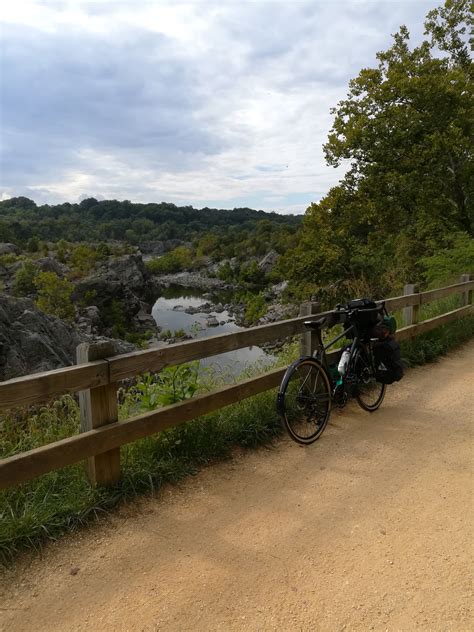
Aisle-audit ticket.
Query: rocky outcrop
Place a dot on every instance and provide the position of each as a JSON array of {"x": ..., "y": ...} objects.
[
  {"x": 268, "y": 262},
  {"x": 49, "y": 264},
  {"x": 9, "y": 249},
  {"x": 157, "y": 248},
  {"x": 192, "y": 280},
  {"x": 32, "y": 341},
  {"x": 123, "y": 281}
]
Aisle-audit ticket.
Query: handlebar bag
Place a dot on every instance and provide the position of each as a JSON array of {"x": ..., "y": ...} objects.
[
  {"x": 388, "y": 361},
  {"x": 365, "y": 316}
]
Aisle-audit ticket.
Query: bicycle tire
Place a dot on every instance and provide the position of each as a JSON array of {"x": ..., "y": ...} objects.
[
  {"x": 370, "y": 393},
  {"x": 304, "y": 400}
]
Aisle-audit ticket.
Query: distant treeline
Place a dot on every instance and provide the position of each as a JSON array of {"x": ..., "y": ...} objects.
[{"x": 230, "y": 232}]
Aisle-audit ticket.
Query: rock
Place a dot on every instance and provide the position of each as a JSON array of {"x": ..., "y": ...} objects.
[
  {"x": 32, "y": 341},
  {"x": 212, "y": 321},
  {"x": 279, "y": 288},
  {"x": 268, "y": 262},
  {"x": 158, "y": 248},
  {"x": 48, "y": 264},
  {"x": 124, "y": 281},
  {"x": 192, "y": 310},
  {"x": 276, "y": 312},
  {"x": 179, "y": 308},
  {"x": 7, "y": 248},
  {"x": 89, "y": 320},
  {"x": 144, "y": 321},
  {"x": 213, "y": 269},
  {"x": 93, "y": 314},
  {"x": 192, "y": 280}
]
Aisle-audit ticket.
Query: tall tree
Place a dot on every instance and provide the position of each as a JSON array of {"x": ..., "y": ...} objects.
[{"x": 406, "y": 130}]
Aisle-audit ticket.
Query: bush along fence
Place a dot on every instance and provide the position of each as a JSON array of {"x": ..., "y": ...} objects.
[{"x": 98, "y": 372}]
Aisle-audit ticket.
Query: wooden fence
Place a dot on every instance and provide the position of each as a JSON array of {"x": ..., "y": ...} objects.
[{"x": 98, "y": 372}]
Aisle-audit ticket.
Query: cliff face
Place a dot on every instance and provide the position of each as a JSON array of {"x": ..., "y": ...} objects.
[
  {"x": 31, "y": 341},
  {"x": 126, "y": 280}
]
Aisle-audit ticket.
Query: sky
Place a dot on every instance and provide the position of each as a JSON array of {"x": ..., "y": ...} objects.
[{"x": 222, "y": 104}]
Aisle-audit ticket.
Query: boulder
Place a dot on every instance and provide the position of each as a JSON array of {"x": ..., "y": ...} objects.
[
  {"x": 192, "y": 310},
  {"x": 279, "y": 288},
  {"x": 212, "y": 321},
  {"x": 7, "y": 248},
  {"x": 268, "y": 262},
  {"x": 158, "y": 248},
  {"x": 32, "y": 341},
  {"x": 144, "y": 321},
  {"x": 48, "y": 264},
  {"x": 124, "y": 280},
  {"x": 89, "y": 320}
]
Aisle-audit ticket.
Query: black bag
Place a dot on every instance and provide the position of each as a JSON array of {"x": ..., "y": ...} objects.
[
  {"x": 388, "y": 361},
  {"x": 366, "y": 315}
]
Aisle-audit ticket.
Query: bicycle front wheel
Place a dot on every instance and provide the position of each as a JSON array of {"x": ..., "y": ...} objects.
[
  {"x": 370, "y": 393},
  {"x": 304, "y": 400}
]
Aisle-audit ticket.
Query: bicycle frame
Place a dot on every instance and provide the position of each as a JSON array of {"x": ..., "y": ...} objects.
[
  {"x": 320, "y": 351},
  {"x": 343, "y": 383}
]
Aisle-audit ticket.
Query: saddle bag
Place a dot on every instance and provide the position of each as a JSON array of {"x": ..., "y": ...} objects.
[{"x": 388, "y": 361}]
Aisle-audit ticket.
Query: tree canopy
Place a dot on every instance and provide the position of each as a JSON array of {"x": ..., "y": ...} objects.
[
  {"x": 405, "y": 131},
  {"x": 216, "y": 232}
]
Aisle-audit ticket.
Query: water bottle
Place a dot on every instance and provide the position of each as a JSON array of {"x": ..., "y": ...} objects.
[{"x": 342, "y": 366}]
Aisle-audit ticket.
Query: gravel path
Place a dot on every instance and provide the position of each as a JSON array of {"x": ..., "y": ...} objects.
[{"x": 368, "y": 529}]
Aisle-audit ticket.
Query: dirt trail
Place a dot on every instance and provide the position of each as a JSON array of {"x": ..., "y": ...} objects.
[{"x": 368, "y": 529}]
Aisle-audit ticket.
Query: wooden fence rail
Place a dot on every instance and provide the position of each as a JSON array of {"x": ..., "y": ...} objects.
[{"x": 102, "y": 435}]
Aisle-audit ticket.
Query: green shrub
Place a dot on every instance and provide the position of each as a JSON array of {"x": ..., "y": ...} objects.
[
  {"x": 427, "y": 347},
  {"x": 114, "y": 315},
  {"x": 83, "y": 258},
  {"x": 103, "y": 251},
  {"x": 447, "y": 265},
  {"x": 255, "y": 307},
  {"x": 25, "y": 276},
  {"x": 32, "y": 245},
  {"x": 181, "y": 258},
  {"x": 54, "y": 295},
  {"x": 8, "y": 259}
]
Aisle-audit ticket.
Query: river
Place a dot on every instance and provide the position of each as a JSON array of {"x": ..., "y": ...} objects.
[{"x": 169, "y": 314}]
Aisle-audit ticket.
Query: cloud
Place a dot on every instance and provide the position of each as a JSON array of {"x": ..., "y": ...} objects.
[{"x": 222, "y": 104}]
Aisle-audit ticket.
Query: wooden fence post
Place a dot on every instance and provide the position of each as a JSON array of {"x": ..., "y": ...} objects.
[
  {"x": 98, "y": 407},
  {"x": 410, "y": 313},
  {"x": 466, "y": 297},
  {"x": 309, "y": 339}
]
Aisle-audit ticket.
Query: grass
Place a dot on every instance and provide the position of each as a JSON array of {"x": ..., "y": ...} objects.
[
  {"x": 428, "y": 347},
  {"x": 62, "y": 501}
]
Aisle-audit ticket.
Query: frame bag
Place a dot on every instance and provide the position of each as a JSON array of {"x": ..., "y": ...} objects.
[{"x": 388, "y": 361}]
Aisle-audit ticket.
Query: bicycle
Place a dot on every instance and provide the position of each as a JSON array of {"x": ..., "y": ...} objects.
[{"x": 310, "y": 385}]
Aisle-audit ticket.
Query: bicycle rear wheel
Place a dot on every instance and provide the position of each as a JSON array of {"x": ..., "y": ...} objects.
[
  {"x": 304, "y": 400},
  {"x": 370, "y": 393}
]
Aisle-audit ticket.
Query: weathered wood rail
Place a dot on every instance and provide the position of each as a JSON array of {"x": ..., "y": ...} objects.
[{"x": 97, "y": 377}]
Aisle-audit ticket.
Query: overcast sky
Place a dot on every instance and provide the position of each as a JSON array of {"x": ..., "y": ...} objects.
[{"x": 219, "y": 104}]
